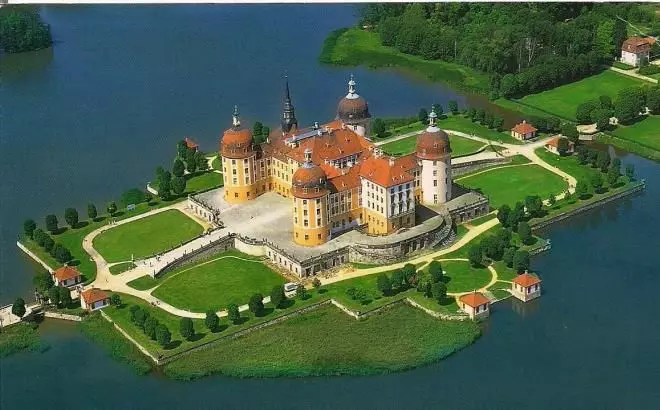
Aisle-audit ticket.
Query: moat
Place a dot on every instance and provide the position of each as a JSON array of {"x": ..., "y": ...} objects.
[{"x": 555, "y": 341}]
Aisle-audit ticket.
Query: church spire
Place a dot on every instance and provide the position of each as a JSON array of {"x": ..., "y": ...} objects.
[
  {"x": 235, "y": 121},
  {"x": 288, "y": 113}
]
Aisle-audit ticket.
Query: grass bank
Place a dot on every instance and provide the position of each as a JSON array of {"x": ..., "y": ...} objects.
[
  {"x": 328, "y": 342},
  {"x": 645, "y": 133},
  {"x": 459, "y": 146},
  {"x": 353, "y": 47},
  {"x": 18, "y": 338},
  {"x": 118, "y": 347}
]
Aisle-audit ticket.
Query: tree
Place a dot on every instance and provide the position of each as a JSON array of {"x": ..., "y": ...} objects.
[
  {"x": 616, "y": 164},
  {"x": 503, "y": 214},
  {"x": 439, "y": 291},
  {"x": 423, "y": 115},
  {"x": 277, "y": 296},
  {"x": 65, "y": 296},
  {"x": 562, "y": 146},
  {"x": 257, "y": 128},
  {"x": 49, "y": 243},
  {"x": 435, "y": 271},
  {"x": 212, "y": 320},
  {"x": 452, "y": 106},
  {"x": 409, "y": 270},
  {"x": 62, "y": 254},
  {"x": 163, "y": 335},
  {"x": 581, "y": 189},
  {"x": 481, "y": 115},
  {"x": 582, "y": 155},
  {"x": 39, "y": 236},
  {"x": 612, "y": 176},
  {"x": 28, "y": 227},
  {"x": 521, "y": 261},
  {"x": 112, "y": 208},
  {"x": 133, "y": 311},
  {"x": 509, "y": 86},
  {"x": 178, "y": 185},
  {"x": 178, "y": 169},
  {"x": 472, "y": 114},
  {"x": 602, "y": 119},
  {"x": 525, "y": 233},
  {"x": 186, "y": 329},
  {"x": 474, "y": 255},
  {"x": 150, "y": 325},
  {"x": 603, "y": 160},
  {"x": 597, "y": 181},
  {"x": 630, "y": 171},
  {"x": 71, "y": 217},
  {"x": 256, "y": 304},
  {"x": 301, "y": 292},
  {"x": 383, "y": 284},
  {"x": 115, "y": 299},
  {"x": 592, "y": 157},
  {"x": 378, "y": 128},
  {"x": 202, "y": 163},
  {"x": 233, "y": 314},
  {"x": 488, "y": 120},
  {"x": 552, "y": 199},
  {"x": 533, "y": 204},
  {"x": 266, "y": 132},
  {"x": 629, "y": 103},
  {"x": 191, "y": 161},
  {"x": 653, "y": 100},
  {"x": 43, "y": 281},
  {"x": 398, "y": 280},
  {"x": 570, "y": 131},
  {"x": 54, "y": 295},
  {"x": 140, "y": 317},
  {"x": 91, "y": 211},
  {"x": 181, "y": 151},
  {"x": 438, "y": 110},
  {"x": 51, "y": 223},
  {"x": 584, "y": 110},
  {"x": 507, "y": 256},
  {"x": 316, "y": 283},
  {"x": 18, "y": 308},
  {"x": 498, "y": 123}
]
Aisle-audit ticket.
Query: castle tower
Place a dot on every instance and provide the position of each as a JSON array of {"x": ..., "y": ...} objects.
[
  {"x": 353, "y": 110},
  {"x": 289, "y": 120},
  {"x": 238, "y": 162},
  {"x": 310, "y": 204},
  {"x": 434, "y": 151}
]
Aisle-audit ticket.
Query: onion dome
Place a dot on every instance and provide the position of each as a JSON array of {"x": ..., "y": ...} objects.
[
  {"x": 352, "y": 107},
  {"x": 237, "y": 142},
  {"x": 433, "y": 143},
  {"x": 309, "y": 181}
]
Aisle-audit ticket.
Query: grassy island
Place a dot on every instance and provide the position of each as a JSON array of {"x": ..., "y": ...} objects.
[
  {"x": 328, "y": 342},
  {"x": 17, "y": 338}
]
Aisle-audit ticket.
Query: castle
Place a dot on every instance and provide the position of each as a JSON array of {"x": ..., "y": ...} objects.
[{"x": 336, "y": 177}]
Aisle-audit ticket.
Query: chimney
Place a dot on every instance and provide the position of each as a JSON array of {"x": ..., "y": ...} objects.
[{"x": 391, "y": 161}]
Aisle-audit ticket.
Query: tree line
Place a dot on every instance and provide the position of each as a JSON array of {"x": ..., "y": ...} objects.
[
  {"x": 628, "y": 107},
  {"x": 190, "y": 160},
  {"x": 527, "y": 48},
  {"x": 21, "y": 29}
]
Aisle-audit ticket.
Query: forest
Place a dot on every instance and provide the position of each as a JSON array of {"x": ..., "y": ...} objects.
[
  {"x": 21, "y": 29},
  {"x": 526, "y": 47}
]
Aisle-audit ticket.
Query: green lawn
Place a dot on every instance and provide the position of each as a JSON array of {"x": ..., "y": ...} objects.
[
  {"x": 645, "y": 132},
  {"x": 567, "y": 164},
  {"x": 563, "y": 101},
  {"x": 17, "y": 338},
  {"x": 459, "y": 146},
  {"x": 217, "y": 283},
  {"x": 482, "y": 219},
  {"x": 203, "y": 182},
  {"x": 121, "y": 267},
  {"x": 147, "y": 236},
  {"x": 508, "y": 185},
  {"x": 217, "y": 163},
  {"x": 352, "y": 47},
  {"x": 329, "y": 342},
  {"x": 463, "y": 124},
  {"x": 143, "y": 283},
  {"x": 461, "y": 277}
]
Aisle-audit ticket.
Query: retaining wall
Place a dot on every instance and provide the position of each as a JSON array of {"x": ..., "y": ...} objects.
[
  {"x": 33, "y": 256},
  {"x": 472, "y": 166},
  {"x": 63, "y": 316}
]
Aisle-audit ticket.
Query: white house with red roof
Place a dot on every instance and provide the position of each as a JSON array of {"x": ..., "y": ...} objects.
[
  {"x": 552, "y": 145},
  {"x": 526, "y": 287},
  {"x": 94, "y": 299},
  {"x": 67, "y": 276},
  {"x": 523, "y": 131},
  {"x": 475, "y": 304},
  {"x": 636, "y": 50}
]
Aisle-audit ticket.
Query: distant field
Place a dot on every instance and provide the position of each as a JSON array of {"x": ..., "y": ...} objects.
[
  {"x": 354, "y": 47},
  {"x": 147, "y": 236},
  {"x": 509, "y": 185},
  {"x": 645, "y": 132},
  {"x": 459, "y": 146},
  {"x": 563, "y": 101}
]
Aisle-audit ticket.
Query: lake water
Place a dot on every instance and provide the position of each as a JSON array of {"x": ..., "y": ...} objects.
[{"x": 101, "y": 110}]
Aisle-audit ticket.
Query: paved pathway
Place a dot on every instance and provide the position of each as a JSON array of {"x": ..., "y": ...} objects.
[{"x": 635, "y": 74}]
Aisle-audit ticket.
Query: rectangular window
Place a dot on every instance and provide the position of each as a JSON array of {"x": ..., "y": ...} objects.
[
  {"x": 233, "y": 171},
  {"x": 233, "y": 162},
  {"x": 304, "y": 212},
  {"x": 318, "y": 222},
  {"x": 319, "y": 236},
  {"x": 435, "y": 172},
  {"x": 306, "y": 237},
  {"x": 435, "y": 182},
  {"x": 306, "y": 222},
  {"x": 304, "y": 202}
]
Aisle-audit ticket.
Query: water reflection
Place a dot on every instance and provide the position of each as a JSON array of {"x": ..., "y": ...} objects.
[
  {"x": 17, "y": 66},
  {"x": 525, "y": 309}
]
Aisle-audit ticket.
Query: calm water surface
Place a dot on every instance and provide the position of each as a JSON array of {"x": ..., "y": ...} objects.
[{"x": 100, "y": 111}]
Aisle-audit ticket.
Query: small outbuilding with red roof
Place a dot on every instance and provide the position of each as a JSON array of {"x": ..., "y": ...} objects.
[
  {"x": 475, "y": 304},
  {"x": 67, "y": 276},
  {"x": 523, "y": 131},
  {"x": 94, "y": 299},
  {"x": 526, "y": 287}
]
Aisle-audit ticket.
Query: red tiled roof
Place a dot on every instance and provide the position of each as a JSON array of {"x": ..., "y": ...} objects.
[
  {"x": 474, "y": 299},
  {"x": 637, "y": 44},
  {"x": 190, "y": 143},
  {"x": 349, "y": 180},
  {"x": 524, "y": 128},
  {"x": 66, "y": 273},
  {"x": 387, "y": 171},
  {"x": 526, "y": 280},
  {"x": 94, "y": 295}
]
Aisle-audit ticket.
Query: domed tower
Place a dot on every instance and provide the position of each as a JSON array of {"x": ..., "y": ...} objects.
[
  {"x": 289, "y": 120},
  {"x": 310, "y": 204},
  {"x": 353, "y": 111},
  {"x": 434, "y": 152},
  {"x": 238, "y": 162}
]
